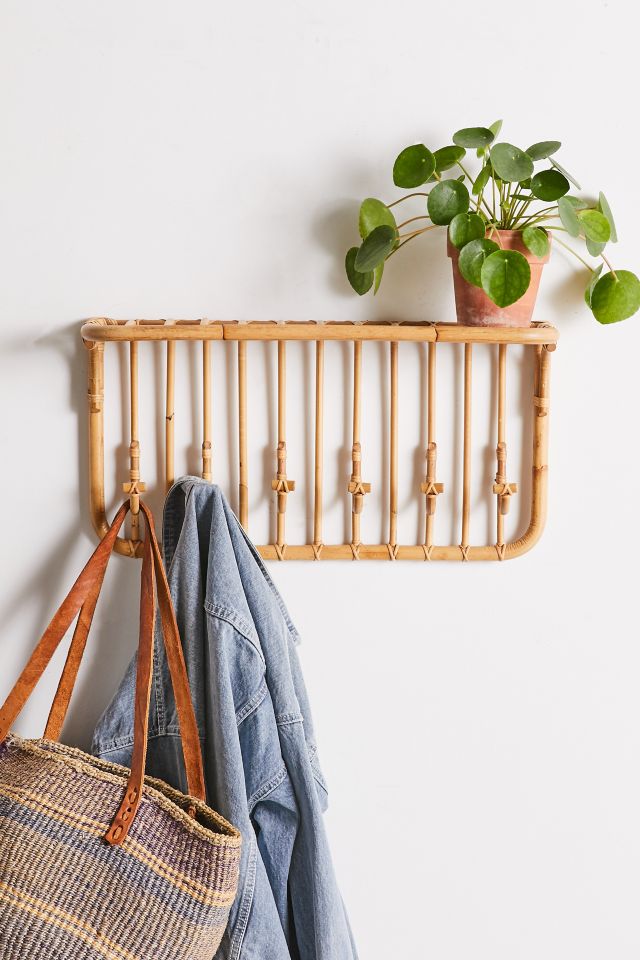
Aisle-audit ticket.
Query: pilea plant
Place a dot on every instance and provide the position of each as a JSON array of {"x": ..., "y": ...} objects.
[{"x": 517, "y": 190}]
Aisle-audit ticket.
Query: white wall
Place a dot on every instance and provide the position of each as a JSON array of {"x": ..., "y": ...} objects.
[{"x": 479, "y": 725}]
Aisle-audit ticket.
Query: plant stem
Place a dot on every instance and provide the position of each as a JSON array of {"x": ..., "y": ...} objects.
[
  {"x": 494, "y": 229},
  {"x": 408, "y": 238},
  {"x": 501, "y": 191},
  {"x": 411, "y": 220},
  {"x": 539, "y": 221},
  {"x": 521, "y": 209},
  {"x": 609, "y": 265},
  {"x": 539, "y": 214},
  {"x": 576, "y": 255},
  {"x": 472, "y": 181},
  {"x": 466, "y": 173},
  {"x": 513, "y": 203},
  {"x": 419, "y": 194},
  {"x": 416, "y": 233}
]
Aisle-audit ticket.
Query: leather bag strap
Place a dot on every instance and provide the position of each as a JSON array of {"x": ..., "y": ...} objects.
[
  {"x": 62, "y": 620},
  {"x": 153, "y": 575},
  {"x": 187, "y": 722},
  {"x": 60, "y": 705},
  {"x": 82, "y": 599},
  {"x": 123, "y": 819}
]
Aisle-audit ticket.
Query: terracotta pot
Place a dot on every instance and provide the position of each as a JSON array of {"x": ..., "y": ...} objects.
[{"x": 473, "y": 306}]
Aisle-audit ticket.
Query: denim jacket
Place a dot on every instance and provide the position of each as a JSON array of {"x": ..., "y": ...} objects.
[{"x": 253, "y": 714}]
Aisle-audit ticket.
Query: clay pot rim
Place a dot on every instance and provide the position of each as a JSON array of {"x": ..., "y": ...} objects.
[{"x": 453, "y": 251}]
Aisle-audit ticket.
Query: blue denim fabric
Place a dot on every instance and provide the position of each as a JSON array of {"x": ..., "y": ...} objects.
[{"x": 253, "y": 714}]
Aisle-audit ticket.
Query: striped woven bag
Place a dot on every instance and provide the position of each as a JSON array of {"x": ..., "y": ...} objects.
[{"x": 96, "y": 860}]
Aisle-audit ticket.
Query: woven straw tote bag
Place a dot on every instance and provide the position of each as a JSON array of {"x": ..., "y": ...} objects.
[{"x": 98, "y": 861}]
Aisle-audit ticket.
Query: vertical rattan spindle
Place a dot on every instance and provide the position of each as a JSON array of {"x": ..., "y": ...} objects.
[
  {"x": 501, "y": 487},
  {"x": 243, "y": 491},
  {"x": 281, "y": 484},
  {"x": 357, "y": 488},
  {"x": 135, "y": 486},
  {"x": 95, "y": 396},
  {"x": 393, "y": 451},
  {"x": 206, "y": 410},
  {"x": 430, "y": 488},
  {"x": 466, "y": 469},
  {"x": 317, "y": 499},
  {"x": 169, "y": 446}
]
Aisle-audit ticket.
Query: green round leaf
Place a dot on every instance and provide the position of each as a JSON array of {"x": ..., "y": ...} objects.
[
  {"x": 471, "y": 258},
  {"x": 615, "y": 298},
  {"x": 568, "y": 216},
  {"x": 448, "y": 198},
  {"x": 544, "y": 149},
  {"x": 466, "y": 227},
  {"x": 566, "y": 174},
  {"x": 595, "y": 225},
  {"x": 595, "y": 276},
  {"x": 473, "y": 137},
  {"x": 373, "y": 213},
  {"x": 549, "y": 185},
  {"x": 377, "y": 277},
  {"x": 603, "y": 206},
  {"x": 536, "y": 241},
  {"x": 361, "y": 282},
  {"x": 595, "y": 249},
  {"x": 505, "y": 276},
  {"x": 375, "y": 248},
  {"x": 510, "y": 163},
  {"x": 578, "y": 203},
  {"x": 413, "y": 166},
  {"x": 481, "y": 180},
  {"x": 495, "y": 127},
  {"x": 447, "y": 157}
]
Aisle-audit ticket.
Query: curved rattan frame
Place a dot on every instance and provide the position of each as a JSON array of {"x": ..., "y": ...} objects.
[{"x": 540, "y": 337}]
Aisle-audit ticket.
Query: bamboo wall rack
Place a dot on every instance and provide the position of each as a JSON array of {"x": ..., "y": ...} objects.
[{"x": 540, "y": 338}]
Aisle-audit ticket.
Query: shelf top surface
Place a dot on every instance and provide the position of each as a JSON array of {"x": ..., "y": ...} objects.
[{"x": 103, "y": 330}]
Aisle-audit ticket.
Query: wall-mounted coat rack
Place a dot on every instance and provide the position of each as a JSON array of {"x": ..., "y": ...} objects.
[{"x": 539, "y": 338}]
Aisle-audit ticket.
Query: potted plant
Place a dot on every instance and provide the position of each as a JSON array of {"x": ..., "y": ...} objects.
[{"x": 500, "y": 223}]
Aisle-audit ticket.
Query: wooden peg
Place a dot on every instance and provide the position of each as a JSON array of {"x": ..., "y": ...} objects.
[
  {"x": 429, "y": 487},
  {"x": 501, "y": 487}
]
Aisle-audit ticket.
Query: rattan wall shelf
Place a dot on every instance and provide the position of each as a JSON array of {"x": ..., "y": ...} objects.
[{"x": 539, "y": 338}]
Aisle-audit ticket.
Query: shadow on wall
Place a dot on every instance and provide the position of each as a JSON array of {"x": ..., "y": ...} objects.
[
  {"x": 45, "y": 583},
  {"x": 417, "y": 280},
  {"x": 110, "y": 644}
]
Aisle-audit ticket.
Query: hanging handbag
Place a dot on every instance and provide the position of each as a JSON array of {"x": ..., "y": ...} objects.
[{"x": 98, "y": 861}]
